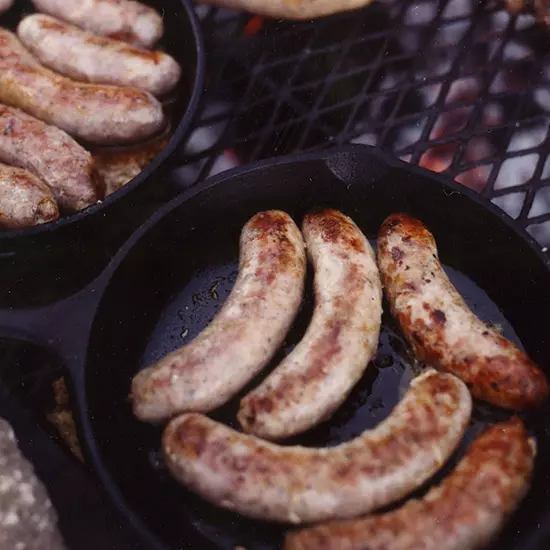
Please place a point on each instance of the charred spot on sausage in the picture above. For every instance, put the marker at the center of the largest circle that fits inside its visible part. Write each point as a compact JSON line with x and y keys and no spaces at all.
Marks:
{"x":394,"y":223}
{"x":397,"y":254}
{"x":438,"y":317}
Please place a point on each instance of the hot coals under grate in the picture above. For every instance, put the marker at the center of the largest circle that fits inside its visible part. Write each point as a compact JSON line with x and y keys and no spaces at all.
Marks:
{"x":454,"y":85}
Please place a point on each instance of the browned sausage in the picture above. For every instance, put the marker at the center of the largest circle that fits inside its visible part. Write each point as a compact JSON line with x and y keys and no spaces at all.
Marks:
{"x":440,"y":327}
{"x":50,"y":154}
{"x":24,"y":199}
{"x":286,"y":9}
{"x":463,"y":513}
{"x":300,"y":485}
{"x":5,"y":5}
{"x":95,"y":113}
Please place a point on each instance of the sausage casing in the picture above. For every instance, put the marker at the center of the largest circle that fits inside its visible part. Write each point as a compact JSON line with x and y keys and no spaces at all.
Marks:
{"x":243,"y":336}
{"x":124,"y":20}
{"x":317,"y":376}
{"x":440,"y":327}
{"x":92,"y":112}
{"x":283,"y":9}
{"x":50,"y":154}
{"x":84,"y":56}
{"x":5,"y":5}
{"x":263,"y":480}
{"x":24,"y":199}
{"x":463,"y":513}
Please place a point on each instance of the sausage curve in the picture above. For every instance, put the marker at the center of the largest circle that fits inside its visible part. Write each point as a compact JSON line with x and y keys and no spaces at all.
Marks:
{"x":263,"y":480}
{"x":243,"y":336}
{"x":124,"y":20}
{"x":441,"y":328}
{"x":51,"y":155}
{"x":91,"y":112}
{"x":317,"y":376}
{"x":24,"y":199}
{"x":463,"y":513}
{"x":86,"y":57}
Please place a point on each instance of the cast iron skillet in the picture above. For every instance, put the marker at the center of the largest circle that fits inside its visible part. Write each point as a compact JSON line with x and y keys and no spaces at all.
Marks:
{"x":183,"y":40}
{"x":174,"y":273}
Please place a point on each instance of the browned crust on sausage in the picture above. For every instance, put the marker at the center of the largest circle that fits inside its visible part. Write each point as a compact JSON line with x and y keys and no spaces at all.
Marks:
{"x":24,"y":199}
{"x":243,"y":336}
{"x":408,"y":260}
{"x":463,"y":512}
{"x":26,"y":84}
{"x":51,"y":155}
{"x":260,"y":479}
{"x":318,"y":375}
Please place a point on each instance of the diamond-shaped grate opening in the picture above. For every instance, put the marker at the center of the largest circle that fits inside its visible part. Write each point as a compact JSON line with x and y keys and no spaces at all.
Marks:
{"x":459,"y":87}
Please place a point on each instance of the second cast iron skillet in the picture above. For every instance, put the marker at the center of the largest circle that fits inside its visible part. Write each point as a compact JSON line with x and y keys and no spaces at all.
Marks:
{"x":172,"y":276}
{"x":182,"y":39}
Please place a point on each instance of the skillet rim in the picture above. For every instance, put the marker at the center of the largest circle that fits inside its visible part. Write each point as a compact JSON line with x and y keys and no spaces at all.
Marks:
{"x":77,"y":376}
{"x":162,"y":158}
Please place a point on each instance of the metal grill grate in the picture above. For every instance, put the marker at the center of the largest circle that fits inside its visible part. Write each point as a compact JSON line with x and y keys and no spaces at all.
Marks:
{"x":457,"y":86}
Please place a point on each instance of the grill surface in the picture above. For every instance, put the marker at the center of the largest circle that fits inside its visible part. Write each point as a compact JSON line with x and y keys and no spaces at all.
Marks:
{"x":454,"y":85}
{"x":457,"y":86}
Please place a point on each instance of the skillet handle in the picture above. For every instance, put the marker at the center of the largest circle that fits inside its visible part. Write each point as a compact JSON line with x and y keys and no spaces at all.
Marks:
{"x":62,"y":328}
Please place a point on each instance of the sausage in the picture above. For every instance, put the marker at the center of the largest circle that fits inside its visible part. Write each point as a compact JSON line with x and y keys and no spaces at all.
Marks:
{"x":295,"y":10}
{"x":24,"y":199}
{"x":84,"y":56}
{"x":463,"y":513}
{"x":243,"y":336}
{"x":124,"y":20}
{"x":50,"y":154}
{"x":95,"y":113}
{"x":262,"y":480}
{"x":440,"y":327}
{"x":315,"y":379}
{"x":5,"y":5}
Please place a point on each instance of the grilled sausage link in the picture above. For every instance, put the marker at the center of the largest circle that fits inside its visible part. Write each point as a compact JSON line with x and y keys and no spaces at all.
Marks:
{"x":50,"y":154}
{"x":463,"y":513}
{"x":440,"y":327}
{"x":86,"y":57}
{"x":5,"y":5}
{"x":315,"y":379}
{"x":124,"y":20}
{"x":95,"y":113}
{"x":24,"y":199}
{"x":243,"y":336}
{"x":284,"y":9}
{"x":299,"y":485}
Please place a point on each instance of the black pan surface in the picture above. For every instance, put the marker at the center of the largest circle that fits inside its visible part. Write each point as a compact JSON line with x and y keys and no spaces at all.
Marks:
{"x":177,"y":275}
{"x":173,"y":275}
{"x":183,"y":40}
